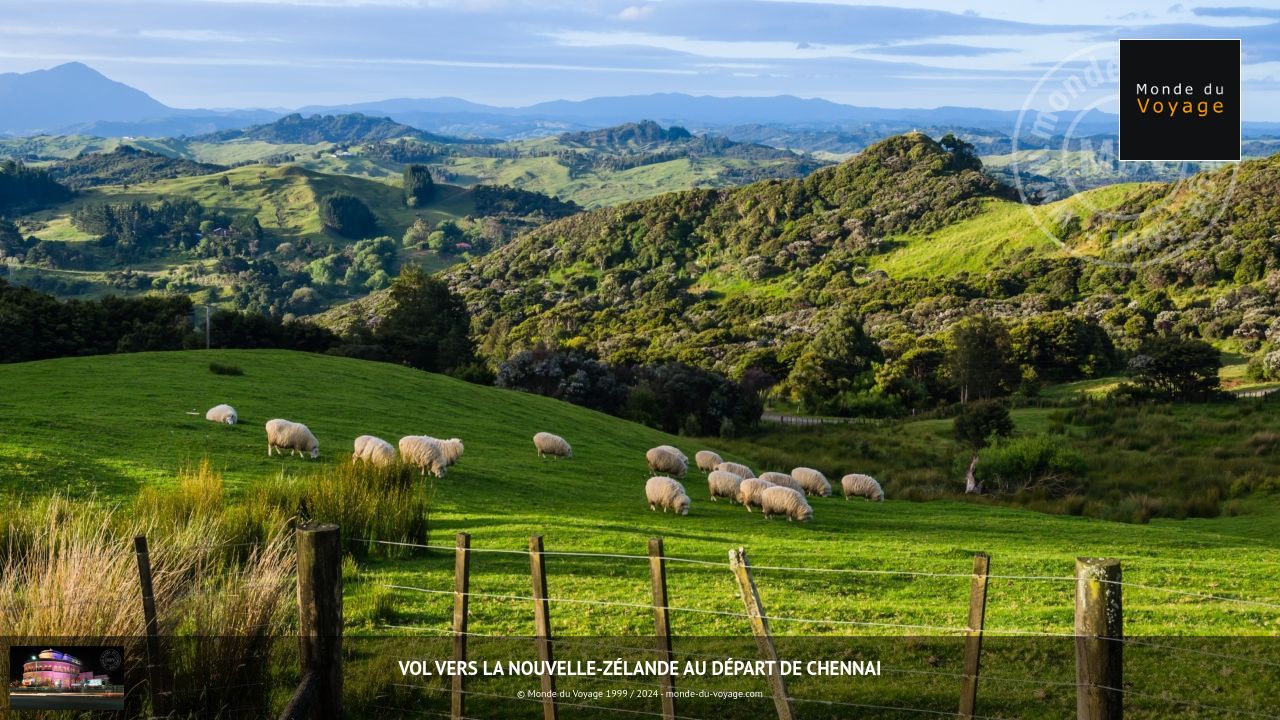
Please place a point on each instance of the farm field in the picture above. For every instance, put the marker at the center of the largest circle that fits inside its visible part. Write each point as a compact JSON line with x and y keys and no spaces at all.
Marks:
{"x":102,"y":428}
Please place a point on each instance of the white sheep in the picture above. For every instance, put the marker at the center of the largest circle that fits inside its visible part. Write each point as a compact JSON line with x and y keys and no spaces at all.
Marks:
{"x":295,"y":437}
{"x":553,"y":445}
{"x":863,"y":486}
{"x":738,"y":469}
{"x":373,"y":450}
{"x":813,"y":482}
{"x":666,"y":459}
{"x":677,"y":451}
{"x":723,"y":484}
{"x":785,"y":501}
{"x":222,"y":414}
{"x":666,"y":493}
{"x":424,"y":453}
{"x":707,"y":460}
{"x":452,"y":450}
{"x":749,"y":491}
{"x":783,"y":479}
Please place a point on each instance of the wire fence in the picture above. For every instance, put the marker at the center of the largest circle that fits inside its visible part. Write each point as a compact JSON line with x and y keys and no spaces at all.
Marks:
{"x":827,"y":624}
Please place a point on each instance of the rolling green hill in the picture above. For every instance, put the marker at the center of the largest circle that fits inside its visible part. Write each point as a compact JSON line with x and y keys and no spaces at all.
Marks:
{"x":106,"y":426}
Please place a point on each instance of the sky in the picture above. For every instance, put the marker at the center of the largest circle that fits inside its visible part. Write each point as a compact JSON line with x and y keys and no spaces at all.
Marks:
{"x":904,"y":53}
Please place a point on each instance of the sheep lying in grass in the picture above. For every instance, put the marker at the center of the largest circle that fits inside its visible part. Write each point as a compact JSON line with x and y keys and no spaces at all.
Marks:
{"x":707,"y":460}
{"x":373,"y":450}
{"x":749,"y":491}
{"x":863,"y":486}
{"x":666,"y":459}
{"x":785,"y":501}
{"x":783,"y":479}
{"x":738,"y":469}
{"x":813,"y":482}
{"x":665,"y":493}
{"x":295,"y":437}
{"x":424,"y":453}
{"x":552,"y":445}
{"x":222,"y":414}
{"x":723,"y":484}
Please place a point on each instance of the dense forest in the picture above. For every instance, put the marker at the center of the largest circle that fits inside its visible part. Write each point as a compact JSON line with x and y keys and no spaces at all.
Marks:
{"x":772,"y":278}
{"x":346,"y":128}
{"x":25,"y":189}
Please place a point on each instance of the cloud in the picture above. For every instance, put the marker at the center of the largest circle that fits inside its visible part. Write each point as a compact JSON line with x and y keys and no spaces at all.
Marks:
{"x":937,"y":50}
{"x":635,"y":12}
{"x":1238,"y":11}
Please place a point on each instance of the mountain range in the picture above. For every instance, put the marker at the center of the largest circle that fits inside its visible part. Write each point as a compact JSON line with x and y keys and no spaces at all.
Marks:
{"x":73,"y":98}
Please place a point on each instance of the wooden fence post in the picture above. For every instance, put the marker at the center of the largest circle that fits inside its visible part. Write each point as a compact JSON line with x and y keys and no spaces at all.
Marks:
{"x":1099,"y":640}
{"x":542,"y":627}
{"x":320,"y":617}
{"x":760,"y":627}
{"x":461,"y":588}
{"x":662,"y":625}
{"x":155,"y":667}
{"x":973,"y":635}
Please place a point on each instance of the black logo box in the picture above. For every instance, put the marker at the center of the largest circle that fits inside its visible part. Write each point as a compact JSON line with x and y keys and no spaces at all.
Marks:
{"x":1186,"y":65}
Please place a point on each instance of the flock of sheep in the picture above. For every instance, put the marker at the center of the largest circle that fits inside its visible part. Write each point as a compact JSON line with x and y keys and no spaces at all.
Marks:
{"x":426,"y":453}
{"x":775,"y":493}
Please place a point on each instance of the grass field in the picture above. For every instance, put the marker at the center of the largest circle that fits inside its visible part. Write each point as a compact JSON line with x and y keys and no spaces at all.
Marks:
{"x":110,"y":431}
{"x":105,"y":427}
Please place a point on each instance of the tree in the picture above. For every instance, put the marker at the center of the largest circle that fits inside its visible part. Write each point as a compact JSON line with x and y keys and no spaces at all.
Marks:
{"x":347,"y":215}
{"x":839,"y":353}
{"x":1174,"y":368}
{"x":980,"y":358}
{"x":974,"y":427}
{"x":418,"y":186}
{"x":427,"y":326}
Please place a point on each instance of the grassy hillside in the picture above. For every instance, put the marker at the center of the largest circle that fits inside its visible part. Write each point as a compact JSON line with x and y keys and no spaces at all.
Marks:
{"x":106,"y":426}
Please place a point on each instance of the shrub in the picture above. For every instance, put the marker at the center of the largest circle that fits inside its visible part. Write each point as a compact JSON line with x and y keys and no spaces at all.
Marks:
{"x":1033,"y":463}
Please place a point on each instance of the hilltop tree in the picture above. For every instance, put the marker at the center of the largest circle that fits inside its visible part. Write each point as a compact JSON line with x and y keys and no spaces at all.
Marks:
{"x":347,"y":215}
{"x":418,"y":186}
{"x":974,"y":427}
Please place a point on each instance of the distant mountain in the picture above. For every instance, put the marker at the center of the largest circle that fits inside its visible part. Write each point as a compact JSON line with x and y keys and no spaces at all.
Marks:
{"x":67,"y":95}
{"x":348,"y":128}
{"x":189,"y":122}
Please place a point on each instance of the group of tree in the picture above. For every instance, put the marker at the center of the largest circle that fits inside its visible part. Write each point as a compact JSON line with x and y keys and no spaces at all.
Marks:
{"x":670,"y":396}
{"x":347,"y":215}
{"x":135,"y":229}
{"x":418,"y":185}
{"x":25,"y":189}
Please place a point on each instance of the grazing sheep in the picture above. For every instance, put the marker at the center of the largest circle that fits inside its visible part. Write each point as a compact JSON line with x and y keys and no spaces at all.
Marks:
{"x":222,"y":414}
{"x":424,"y":453}
{"x":373,"y":450}
{"x":738,"y":469}
{"x":813,"y":482}
{"x":677,"y":451}
{"x":552,"y":445}
{"x":666,"y":459}
{"x":668,"y":494}
{"x":863,"y":486}
{"x":785,"y":501}
{"x":783,"y":479}
{"x":723,"y":484}
{"x":749,"y":492}
{"x":295,"y":437}
{"x":452,"y":450}
{"x":707,"y":460}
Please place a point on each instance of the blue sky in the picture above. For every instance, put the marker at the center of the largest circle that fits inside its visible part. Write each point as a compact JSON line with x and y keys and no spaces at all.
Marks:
{"x":910,"y":53}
